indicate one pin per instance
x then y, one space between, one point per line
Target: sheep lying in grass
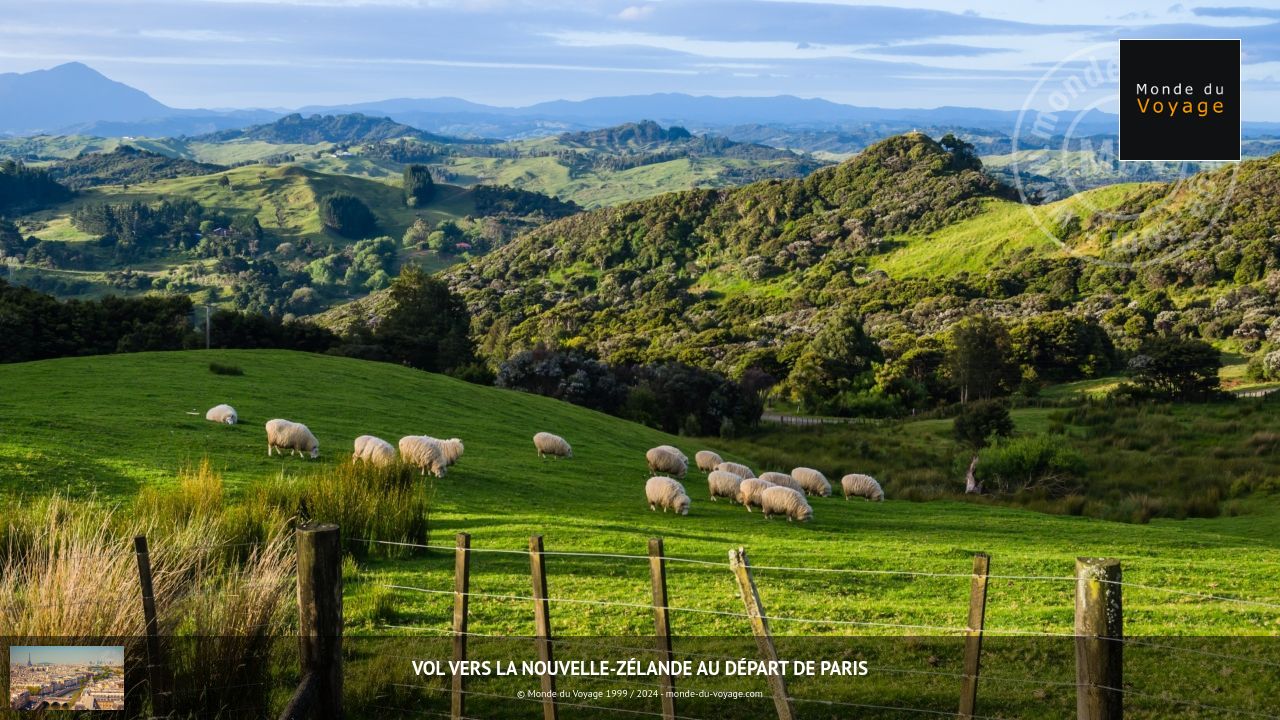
783 479
707 460
749 491
863 486
373 450
666 459
552 445
222 414
452 450
813 482
663 492
738 469
723 485
295 437
785 501
424 453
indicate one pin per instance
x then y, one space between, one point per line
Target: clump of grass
220 369
198 495
368 503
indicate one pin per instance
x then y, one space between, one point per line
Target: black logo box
1185 65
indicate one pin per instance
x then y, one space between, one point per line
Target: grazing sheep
552 445
863 486
295 437
424 453
813 482
785 501
707 460
666 459
668 494
738 469
783 479
677 451
749 492
222 414
373 450
723 484
452 450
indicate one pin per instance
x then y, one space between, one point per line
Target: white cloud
635 12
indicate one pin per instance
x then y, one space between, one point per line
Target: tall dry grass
372 503
68 569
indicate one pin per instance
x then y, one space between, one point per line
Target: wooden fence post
320 616
542 626
973 635
461 588
760 627
662 624
1099 640
155 662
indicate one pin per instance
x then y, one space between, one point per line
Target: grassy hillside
260 190
1001 231
111 425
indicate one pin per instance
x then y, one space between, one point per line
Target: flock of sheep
775 493
426 453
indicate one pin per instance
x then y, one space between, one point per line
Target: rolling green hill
140 418
910 237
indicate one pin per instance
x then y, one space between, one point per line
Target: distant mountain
702 112
189 122
348 128
628 135
67 95
126 165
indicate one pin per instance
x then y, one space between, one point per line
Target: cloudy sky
908 53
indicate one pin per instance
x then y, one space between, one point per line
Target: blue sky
909 53
67 654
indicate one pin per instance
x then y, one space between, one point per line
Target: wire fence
879 627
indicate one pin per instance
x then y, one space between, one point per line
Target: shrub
347 215
1033 463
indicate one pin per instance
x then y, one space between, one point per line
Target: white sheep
785 501
738 469
749 491
373 450
452 450
666 459
723 484
295 437
424 453
552 445
707 460
677 451
863 486
783 479
813 482
666 493
222 414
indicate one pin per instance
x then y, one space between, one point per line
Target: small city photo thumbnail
66 677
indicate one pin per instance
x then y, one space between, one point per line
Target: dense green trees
347 215
979 360
1172 368
674 397
418 186
427 326
126 165
24 189
832 364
